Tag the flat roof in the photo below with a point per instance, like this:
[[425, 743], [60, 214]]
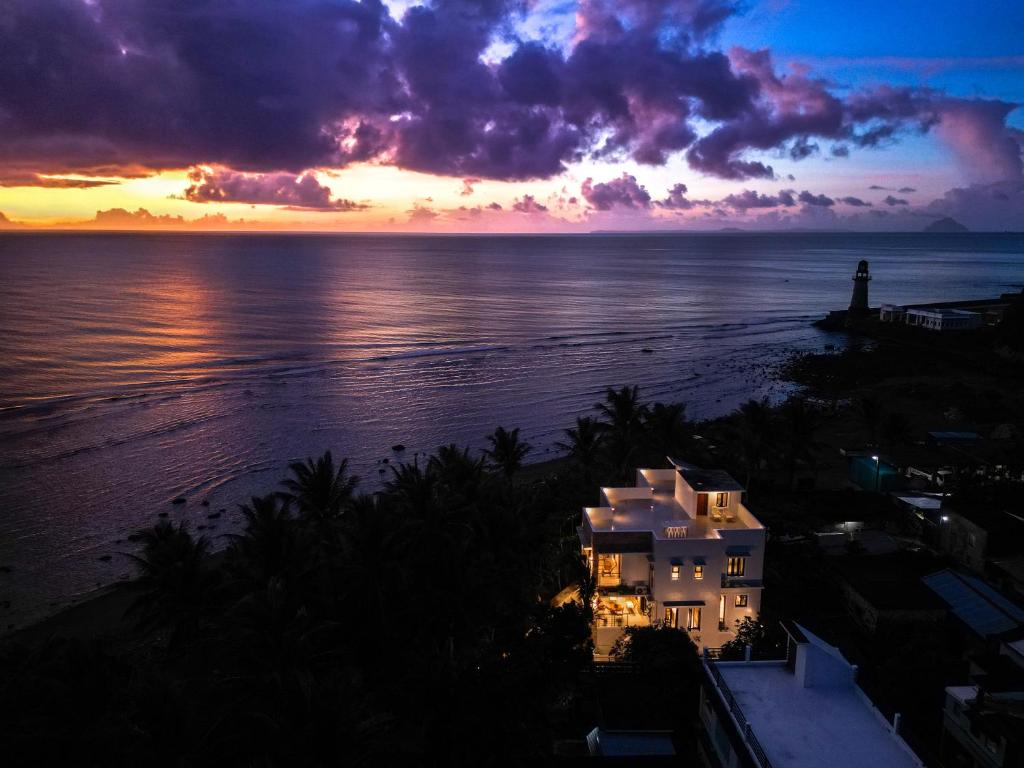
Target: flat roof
[[807, 727], [654, 514], [710, 480]]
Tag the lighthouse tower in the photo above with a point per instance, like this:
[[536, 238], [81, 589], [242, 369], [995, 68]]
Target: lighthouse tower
[[859, 301]]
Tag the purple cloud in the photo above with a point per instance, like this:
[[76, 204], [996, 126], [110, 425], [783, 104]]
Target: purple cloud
[[528, 204], [854, 201], [891, 201], [225, 186], [748, 198], [623, 192], [676, 199], [285, 86], [823, 201]]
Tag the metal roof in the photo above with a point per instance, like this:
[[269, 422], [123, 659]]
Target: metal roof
[[975, 603]]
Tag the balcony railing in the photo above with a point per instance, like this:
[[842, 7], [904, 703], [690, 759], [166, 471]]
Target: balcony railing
[[710, 662], [621, 620]]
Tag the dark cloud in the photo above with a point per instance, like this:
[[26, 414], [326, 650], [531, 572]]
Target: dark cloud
[[225, 186], [808, 198], [854, 201], [840, 150], [748, 198], [51, 182], [676, 199], [494, 206], [906, 190], [284, 86], [467, 186], [528, 204], [891, 201], [623, 192]]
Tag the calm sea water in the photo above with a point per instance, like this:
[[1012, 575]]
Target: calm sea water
[[137, 368]]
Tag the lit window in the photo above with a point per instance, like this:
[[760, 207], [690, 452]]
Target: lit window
[[693, 618], [741, 601], [675, 573], [736, 566], [721, 500], [698, 571]]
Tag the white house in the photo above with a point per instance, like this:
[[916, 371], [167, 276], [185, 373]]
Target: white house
[[680, 548], [804, 711]]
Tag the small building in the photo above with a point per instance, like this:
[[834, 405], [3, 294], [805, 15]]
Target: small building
[[884, 596], [985, 613], [892, 313], [981, 720], [975, 534], [943, 319], [679, 548], [804, 711]]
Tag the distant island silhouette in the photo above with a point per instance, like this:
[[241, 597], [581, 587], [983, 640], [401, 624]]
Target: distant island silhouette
[[946, 224]]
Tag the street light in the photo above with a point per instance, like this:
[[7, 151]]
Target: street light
[[878, 469]]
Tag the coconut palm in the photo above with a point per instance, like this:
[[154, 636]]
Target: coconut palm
[[507, 451], [897, 429], [869, 412], [583, 444], [270, 545], [623, 424], [318, 489], [175, 580], [666, 430], [799, 422], [457, 471], [413, 489], [755, 434]]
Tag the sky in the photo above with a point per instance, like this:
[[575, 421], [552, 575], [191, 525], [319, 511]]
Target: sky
[[511, 115]]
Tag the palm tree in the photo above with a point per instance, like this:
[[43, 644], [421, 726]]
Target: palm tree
[[413, 489], [666, 430], [755, 433], [897, 429], [583, 444], [869, 412], [318, 489], [799, 423], [270, 545], [622, 410], [457, 471], [175, 580], [624, 416], [507, 451]]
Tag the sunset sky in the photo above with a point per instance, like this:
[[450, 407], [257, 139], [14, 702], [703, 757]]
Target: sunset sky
[[544, 115]]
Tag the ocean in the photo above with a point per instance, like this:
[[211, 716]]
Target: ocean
[[136, 368]]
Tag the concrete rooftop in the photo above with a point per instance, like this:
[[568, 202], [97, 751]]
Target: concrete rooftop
[[809, 727], [654, 514]]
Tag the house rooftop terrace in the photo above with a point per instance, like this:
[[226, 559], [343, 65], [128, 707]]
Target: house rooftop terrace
[[657, 512]]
